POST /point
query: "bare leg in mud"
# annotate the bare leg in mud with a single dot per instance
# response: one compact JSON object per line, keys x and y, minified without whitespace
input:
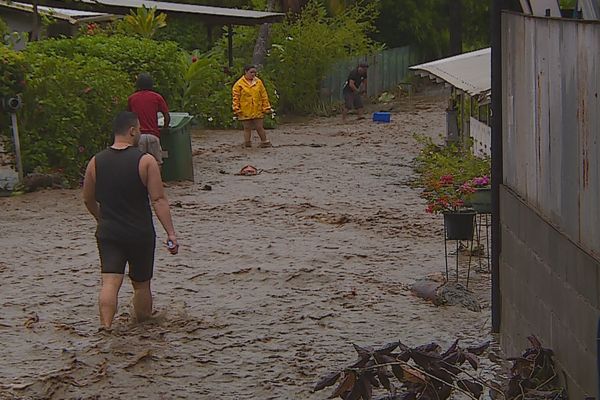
{"x":109,"y":298}
{"x":255,"y":124}
{"x":142,"y":300}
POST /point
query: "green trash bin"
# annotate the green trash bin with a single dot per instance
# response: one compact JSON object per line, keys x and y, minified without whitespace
{"x":177,"y":149}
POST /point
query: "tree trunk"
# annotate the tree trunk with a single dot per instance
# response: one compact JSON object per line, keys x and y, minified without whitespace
{"x":260,"y":48}
{"x":456,"y":23}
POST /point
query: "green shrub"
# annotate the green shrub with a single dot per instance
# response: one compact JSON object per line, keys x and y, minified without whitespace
{"x":205,"y":90}
{"x":305,"y":48}
{"x":435,"y":161}
{"x":186,"y":31}
{"x":12,"y":81}
{"x":12,"y":71}
{"x":129,"y":54}
{"x":68,"y":111}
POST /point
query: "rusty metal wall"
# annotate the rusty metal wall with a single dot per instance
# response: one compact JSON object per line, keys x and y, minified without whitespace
{"x":551,"y":119}
{"x":387,"y":70}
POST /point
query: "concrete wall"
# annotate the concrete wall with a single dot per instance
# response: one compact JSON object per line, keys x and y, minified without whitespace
{"x":549,"y":287}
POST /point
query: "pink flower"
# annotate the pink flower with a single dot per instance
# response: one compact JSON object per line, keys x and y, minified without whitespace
{"x":447,"y":180}
{"x":481,"y":181}
{"x":194,"y":59}
{"x":81,"y":149}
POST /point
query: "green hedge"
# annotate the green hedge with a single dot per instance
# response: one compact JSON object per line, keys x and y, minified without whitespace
{"x":13,"y":71}
{"x":68,"y":111}
{"x":131,"y":55}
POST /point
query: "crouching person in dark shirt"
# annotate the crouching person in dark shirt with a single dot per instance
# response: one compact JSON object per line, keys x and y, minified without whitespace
{"x":352,"y":90}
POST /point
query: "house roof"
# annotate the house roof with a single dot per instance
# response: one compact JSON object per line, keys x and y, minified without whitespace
{"x":469,"y":72}
{"x":72,"y":16}
{"x":217,"y":15}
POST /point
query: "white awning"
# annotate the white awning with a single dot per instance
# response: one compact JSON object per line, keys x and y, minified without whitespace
{"x":218,"y":15}
{"x":72,"y":16}
{"x":469,"y":72}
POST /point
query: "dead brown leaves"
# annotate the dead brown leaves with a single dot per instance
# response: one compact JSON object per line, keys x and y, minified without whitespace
{"x":424,"y":372}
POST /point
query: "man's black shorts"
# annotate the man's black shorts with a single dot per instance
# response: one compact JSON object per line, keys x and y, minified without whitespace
{"x":352,"y":100}
{"x":114,"y":255}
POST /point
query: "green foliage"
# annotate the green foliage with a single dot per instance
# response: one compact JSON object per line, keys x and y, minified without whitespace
{"x":3,"y":28}
{"x":205,"y":90}
{"x":69,"y":106}
{"x":305,"y":47}
{"x":424,"y":24}
{"x":128,"y":54}
{"x":435,"y":161}
{"x":187,"y":32}
{"x":12,"y":71}
{"x":448,"y":175}
{"x":144,"y":22}
{"x":476,"y":24}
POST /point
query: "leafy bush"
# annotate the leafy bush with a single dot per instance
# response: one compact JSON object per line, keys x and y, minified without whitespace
{"x":12,"y":81}
{"x":12,"y":71}
{"x":186,"y":31}
{"x":69,"y":107}
{"x":143,"y":22}
{"x":305,"y":48}
{"x":449,"y":175}
{"x":131,"y":55}
{"x":205,"y":90}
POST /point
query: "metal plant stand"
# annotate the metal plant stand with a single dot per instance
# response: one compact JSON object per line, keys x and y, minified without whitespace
{"x":483,"y":222}
{"x":457,"y":253}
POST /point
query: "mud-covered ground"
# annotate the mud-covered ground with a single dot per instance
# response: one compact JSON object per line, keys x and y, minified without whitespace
{"x":277,"y":275}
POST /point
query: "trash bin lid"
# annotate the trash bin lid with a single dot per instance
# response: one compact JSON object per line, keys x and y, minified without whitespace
{"x":178,"y":119}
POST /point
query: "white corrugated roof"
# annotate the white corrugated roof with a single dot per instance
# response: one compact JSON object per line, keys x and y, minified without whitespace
{"x":228,"y":15}
{"x":60,"y":13}
{"x":468,"y":72}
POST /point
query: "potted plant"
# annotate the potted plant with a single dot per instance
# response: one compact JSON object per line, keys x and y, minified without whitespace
{"x":446,"y":197}
{"x":481,"y":199}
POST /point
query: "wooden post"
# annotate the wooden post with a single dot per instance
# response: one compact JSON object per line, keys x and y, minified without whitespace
{"x":230,"y":44}
{"x":17,"y":144}
{"x":35,"y":26}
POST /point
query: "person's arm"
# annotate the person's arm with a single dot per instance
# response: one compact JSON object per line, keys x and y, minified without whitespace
{"x":364,"y":85}
{"x":89,"y":189}
{"x":164,"y":109}
{"x":266,"y":105}
{"x":167,"y":119}
{"x":352,"y":85}
{"x":236,"y":93}
{"x":158,"y":197}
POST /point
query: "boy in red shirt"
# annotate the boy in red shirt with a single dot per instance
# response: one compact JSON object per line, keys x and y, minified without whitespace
{"x":146,"y":103}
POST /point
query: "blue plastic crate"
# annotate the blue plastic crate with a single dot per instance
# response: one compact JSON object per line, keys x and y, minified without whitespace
{"x":381,"y":117}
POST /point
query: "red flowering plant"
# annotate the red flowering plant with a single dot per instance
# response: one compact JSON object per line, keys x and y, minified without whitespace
{"x":445,"y":195}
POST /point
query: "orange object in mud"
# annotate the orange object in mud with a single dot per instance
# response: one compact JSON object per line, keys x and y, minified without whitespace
{"x":249,"y":170}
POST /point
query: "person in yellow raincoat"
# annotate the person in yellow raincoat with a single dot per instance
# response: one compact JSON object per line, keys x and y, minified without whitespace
{"x":250,"y":104}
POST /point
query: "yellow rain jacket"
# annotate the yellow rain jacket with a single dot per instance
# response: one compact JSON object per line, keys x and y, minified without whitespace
{"x":250,"y":99}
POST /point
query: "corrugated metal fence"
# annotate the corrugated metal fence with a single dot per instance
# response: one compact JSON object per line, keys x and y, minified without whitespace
{"x":551,"y":139}
{"x":387,"y":69}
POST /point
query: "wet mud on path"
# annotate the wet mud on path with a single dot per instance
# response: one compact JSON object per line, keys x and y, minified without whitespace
{"x":277,"y":274}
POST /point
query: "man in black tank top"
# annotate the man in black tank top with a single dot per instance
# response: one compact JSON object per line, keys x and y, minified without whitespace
{"x":119,"y":184}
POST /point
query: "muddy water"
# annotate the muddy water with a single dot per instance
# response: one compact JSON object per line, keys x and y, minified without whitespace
{"x":277,"y":275}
